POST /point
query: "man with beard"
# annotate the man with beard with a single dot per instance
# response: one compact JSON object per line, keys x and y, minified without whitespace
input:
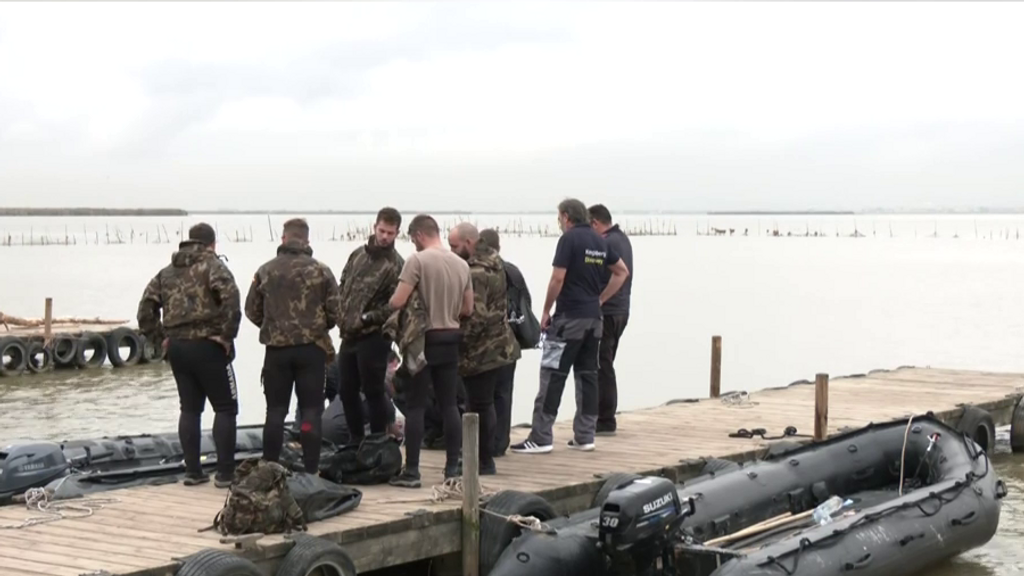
{"x":573,"y":334}
{"x":295,"y":303}
{"x":201,"y":312}
{"x":367,"y":282}
{"x":488,"y":344}
{"x":442,"y":281}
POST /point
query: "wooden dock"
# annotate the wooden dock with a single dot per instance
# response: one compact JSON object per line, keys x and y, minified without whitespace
{"x":148,"y":527}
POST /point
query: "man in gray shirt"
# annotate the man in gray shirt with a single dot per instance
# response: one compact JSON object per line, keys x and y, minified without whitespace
{"x":616,"y":315}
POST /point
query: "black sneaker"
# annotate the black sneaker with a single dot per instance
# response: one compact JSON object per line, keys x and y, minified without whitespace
{"x":528,"y":447}
{"x":406,"y":479}
{"x":223,"y":480}
{"x":193,"y":479}
{"x":488,"y":469}
{"x":453,"y":470}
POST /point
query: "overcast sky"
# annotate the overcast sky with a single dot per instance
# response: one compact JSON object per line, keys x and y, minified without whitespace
{"x":673,"y":105}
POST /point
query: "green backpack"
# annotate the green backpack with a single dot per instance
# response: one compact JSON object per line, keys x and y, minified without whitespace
{"x":259,"y":501}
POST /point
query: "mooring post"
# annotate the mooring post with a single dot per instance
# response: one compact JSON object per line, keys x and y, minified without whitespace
{"x":820,"y":407}
{"x":471,"y":494}
{"x":48,"y":322}
{"x":716,"y":366}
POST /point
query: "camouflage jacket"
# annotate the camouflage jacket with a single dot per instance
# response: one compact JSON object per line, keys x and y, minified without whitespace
{"x":487,"y":339}
{"x":197,"y":295}
{"x":294,"y":300}
{"x":407,"y":328}
{"x":367,"y":282}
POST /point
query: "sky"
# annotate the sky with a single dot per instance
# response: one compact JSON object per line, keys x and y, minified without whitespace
{"x":511,"y":106}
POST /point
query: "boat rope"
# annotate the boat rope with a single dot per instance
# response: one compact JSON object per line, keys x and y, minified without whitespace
{"x":740,"y":399}
{"x":41,"y":500}
{"x":903,"y":455}
{"x":449,"y":489}
{"x":526,"y":522}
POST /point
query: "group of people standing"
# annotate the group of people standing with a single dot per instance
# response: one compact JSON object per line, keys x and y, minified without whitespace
{"x":446,"y":308}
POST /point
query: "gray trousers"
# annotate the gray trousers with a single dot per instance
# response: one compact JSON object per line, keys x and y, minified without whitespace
{"x":570,"y":343}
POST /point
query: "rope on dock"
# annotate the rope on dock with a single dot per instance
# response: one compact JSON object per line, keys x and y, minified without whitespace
{"x":525,"y":522}
{"x":39,"y":499}
{"x":450,"y":488}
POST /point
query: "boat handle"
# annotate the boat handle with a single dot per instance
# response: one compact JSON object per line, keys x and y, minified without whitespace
{"x":966,"y":519}
{"x":862,"y":474}
{"x":859,"y":563}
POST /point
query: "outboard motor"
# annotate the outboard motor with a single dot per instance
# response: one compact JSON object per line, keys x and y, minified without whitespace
{"x":24,"y":466}
{"x":638,"y":523}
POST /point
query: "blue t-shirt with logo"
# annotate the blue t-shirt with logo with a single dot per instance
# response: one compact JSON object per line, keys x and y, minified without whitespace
{"x":585,"y":255}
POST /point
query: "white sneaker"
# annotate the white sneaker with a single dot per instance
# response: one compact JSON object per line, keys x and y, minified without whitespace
{"x":581,"y":447}
{"x":529,"y":447}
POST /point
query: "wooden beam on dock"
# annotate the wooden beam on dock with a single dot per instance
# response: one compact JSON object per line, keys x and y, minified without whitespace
{"x":716,"y":366}
{"x":820,"y":407}
{"x":471,"y":494}
{"x":48,"y":322}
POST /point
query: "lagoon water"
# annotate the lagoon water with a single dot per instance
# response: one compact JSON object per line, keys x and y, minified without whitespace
{"x":944,"y":291}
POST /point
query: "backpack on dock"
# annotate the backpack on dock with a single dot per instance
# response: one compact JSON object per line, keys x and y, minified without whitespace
{"x":259,"y":501}
{"x":521,"y":319}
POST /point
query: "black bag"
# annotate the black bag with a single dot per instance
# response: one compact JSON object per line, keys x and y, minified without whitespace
{"x":374,"y":461}
{"x":524,"y":324}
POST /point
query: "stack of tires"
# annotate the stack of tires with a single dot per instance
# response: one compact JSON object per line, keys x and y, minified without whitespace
{"x":310,"y":555}
{"x":86,"y":350}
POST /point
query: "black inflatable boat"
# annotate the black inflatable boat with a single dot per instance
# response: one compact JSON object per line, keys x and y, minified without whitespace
{"x":885,"y":500}
{"x":94,"y":465}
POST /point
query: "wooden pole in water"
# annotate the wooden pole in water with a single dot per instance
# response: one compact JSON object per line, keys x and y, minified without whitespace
{"x":820,"y":407}
{"x":48,"y":322}
{"x":716,"y":366}
{"x":471,"y":494}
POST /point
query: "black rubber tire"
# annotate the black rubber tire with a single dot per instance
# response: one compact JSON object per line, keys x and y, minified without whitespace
{"x":979,"y":425}
{"x":612,"y":483}
{"x":311,"y":553}
{"x":64,"y":349}
{"x":1017,"y":427}
{"x":98,"y":344}
{"x":717,"y":466}
{"x":16,"y":348}
{"x":45,"y":363}
{"x":210,"y":562}
{"x":151,"y":354}
{"x":123,"y":337}
{"x":497,"y":533}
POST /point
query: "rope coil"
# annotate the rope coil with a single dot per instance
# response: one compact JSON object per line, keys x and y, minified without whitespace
{"x":38,"y":499}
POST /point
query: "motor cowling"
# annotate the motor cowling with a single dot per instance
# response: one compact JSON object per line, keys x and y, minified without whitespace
{"x":643,"y":510}
{"x":28,"y":465}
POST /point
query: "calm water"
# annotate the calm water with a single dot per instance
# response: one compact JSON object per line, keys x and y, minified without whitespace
{"x":786,"y":307}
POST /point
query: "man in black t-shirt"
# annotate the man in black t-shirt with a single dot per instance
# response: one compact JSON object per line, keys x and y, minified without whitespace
{"x":572,"y":336}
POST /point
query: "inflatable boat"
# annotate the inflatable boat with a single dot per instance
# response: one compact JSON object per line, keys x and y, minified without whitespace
{"x":886,"y":500}
{"x":118,"y":460}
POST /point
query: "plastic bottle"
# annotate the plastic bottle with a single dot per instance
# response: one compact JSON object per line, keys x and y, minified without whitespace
{"x":823,"y":513}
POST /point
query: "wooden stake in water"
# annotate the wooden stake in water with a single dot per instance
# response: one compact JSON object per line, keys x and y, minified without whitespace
{"x":716,"y":366}
{"x":48,"y":322}
{"x":471,"y":494}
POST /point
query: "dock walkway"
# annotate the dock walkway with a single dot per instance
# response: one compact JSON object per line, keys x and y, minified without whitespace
{"x":150,"y":526}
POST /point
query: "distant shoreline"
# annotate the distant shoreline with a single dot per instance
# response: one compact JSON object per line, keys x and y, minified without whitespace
{"x":87,"y":212}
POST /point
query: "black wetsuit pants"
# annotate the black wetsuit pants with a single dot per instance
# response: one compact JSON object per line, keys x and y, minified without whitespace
{"x":441,"y":373}
{"x":202,"y":370}
{"x":480,"y":396}
{"x":363,"y":367}
{"x":304,"y":367}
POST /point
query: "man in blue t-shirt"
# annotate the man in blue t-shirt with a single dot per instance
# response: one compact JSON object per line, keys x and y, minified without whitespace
{"x":572,"y":337}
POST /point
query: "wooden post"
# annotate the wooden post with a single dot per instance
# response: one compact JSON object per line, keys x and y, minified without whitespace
{"x":820,"y":407}
{"x":48,"y":322}
{"x":471,"y":494}
{"x":716,"y":366}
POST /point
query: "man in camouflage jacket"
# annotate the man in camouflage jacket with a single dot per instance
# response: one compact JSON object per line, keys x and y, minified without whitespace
{"x":367,"y":282}
{"x":294,"y":301}
{"x":201,"y":313}
{"x":488,"y":343}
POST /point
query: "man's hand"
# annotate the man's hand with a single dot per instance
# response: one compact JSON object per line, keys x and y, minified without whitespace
{"x":545,"y":320}
{"x":165,"y":344}
{"x":222,"y":342}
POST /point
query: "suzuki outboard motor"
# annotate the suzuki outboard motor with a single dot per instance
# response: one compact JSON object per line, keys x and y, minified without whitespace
{"x":23,"y":466}
{"x":638,"y":522}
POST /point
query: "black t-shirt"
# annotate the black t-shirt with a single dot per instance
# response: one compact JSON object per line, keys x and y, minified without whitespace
{"x":585,"y":255}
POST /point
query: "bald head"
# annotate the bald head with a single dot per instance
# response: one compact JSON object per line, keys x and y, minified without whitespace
{"x":463,"y":238}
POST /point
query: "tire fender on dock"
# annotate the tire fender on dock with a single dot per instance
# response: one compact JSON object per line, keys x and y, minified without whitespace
{"x":96,"y":343}
{"x":312,"y":555}
{"x":979,"y":426}
{"x":1017,"y":427}
{"x":497,"y":533}
{"x":128,"y":338}
{"x":151,"y":353}
{"x":210,"y":562}
{"x":64,"y":349}
{"x":45,"y":362}
{"x":15,"y":348}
